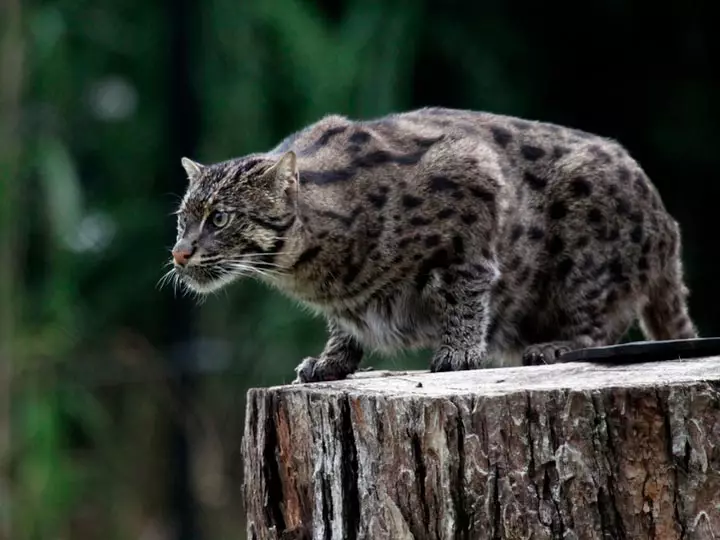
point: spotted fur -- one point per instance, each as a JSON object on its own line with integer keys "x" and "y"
{"x": 490, "y": 239}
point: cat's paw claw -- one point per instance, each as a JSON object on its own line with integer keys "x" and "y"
{"x": 305, "y": 371}
{"x": 313, "y": 369}
{"x": 447, "y": 359}
{"x": 541, "y": 354}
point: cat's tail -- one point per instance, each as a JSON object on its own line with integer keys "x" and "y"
{"x": 665, "y": 316}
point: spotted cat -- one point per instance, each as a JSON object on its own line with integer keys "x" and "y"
{"x": 490, "y": 239}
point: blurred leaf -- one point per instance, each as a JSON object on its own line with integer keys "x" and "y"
{"x": 63, "y": 193}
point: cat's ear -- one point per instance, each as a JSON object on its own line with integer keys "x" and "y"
{"x": 192, "y": 168}
{"x": 286, "y": 174}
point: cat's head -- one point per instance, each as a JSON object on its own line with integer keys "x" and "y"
{"x": 234, "y": 219}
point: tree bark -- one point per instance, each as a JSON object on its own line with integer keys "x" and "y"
{"x": 568, "y": 451}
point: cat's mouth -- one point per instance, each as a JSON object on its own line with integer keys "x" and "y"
{"x": 204, "y": 279}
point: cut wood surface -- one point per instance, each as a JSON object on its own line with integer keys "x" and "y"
{"x": 564, "y": 451}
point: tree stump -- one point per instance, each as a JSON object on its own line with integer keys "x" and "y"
{"x": 567, "y": 451}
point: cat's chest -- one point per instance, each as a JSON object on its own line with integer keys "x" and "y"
{"x": 390, "y": 322}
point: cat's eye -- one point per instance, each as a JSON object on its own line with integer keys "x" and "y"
{"x": 220, "y": 219}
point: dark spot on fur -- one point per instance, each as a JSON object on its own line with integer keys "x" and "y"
{"x": 558, "y": 210}
{"x": 524, "y": 275}
{"x": 646, "y": 247}
{"x": 613, "y": 235}
{"x": 419, "y": 220}
{"x": 636, "y": 217}
{"x": 458, "y": 246}
{"x": 373, "y": 159}
{"x": 359, "y": 137}
{"x": 321, "y": 235}
{"x": 636, "y": 234}
{"x": 599, "y": 153}
{"x": 410, "y": 201}
{"x": 531, "y": 153}
{"x": 325, "y": 137}
{"x": 481, "y": 194}
{"x": 469, "y": 218}
{"x": 404, "y": 242}
{"x": 377, "y": 158}
{"x": 346, "y": 220}
{"x": 641, "y": 186}
{"x": 277, "y": 225}
{"x": 582, "y": 242}
{"x": 612, "y": 190}
{"x": 595, "y": 215}
{"x": 517, "y": 232}
{"x": 580, "y": 187}
{"x": 643, "y": 263}
{"x": 564, "y": 268}
{"x": 427, "y": 142}
{"x": 559, "y": 151}
{"x": 458, "y": 195}
{"x": 502, "y": 136}
{"x": 599, "y": 271}
{"x": 445, "y": 213}
{"x": 354, "y": 148}
{"x": 450, "y": 298}
{"x": 353, "y": 270}
{"x": 438, "y": 259}
{"x": 611, "y": 298}
{"x": 616, "y": 270}
{"x": 327, "y": 177}
{"x": 308, "y": 255}
{"x": 514, "y": 263}
{"x": 378, "y": 200}
{"x": 623, "y": 174}
{"x": 536, "y": 233}
{"x": 622, "y": 206}
{"x": 594, "y": 294}
{"x": 432, "y": 241}
{"x": 442, "y": 183}
{"x": 465, "y": 274}
{"x": 555, "y": 245}
{"x": 535, "y": 182}
{"x": 588, "y": 262}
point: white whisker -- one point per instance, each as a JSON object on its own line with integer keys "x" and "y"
{"x": 166, "y": 278}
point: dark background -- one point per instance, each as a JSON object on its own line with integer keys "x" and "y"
{"x": 121, "y": 404}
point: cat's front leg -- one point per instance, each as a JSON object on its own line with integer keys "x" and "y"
{"x": 340, "y": 357}
{"x": 465, "y": 295}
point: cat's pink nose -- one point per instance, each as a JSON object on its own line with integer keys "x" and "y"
{"x": 181, "y": 254}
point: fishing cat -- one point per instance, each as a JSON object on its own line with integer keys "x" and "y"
{"x": 491, "y": 239}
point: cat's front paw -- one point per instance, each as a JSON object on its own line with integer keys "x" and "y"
{"x": 313, "y": 369}
{"x": 545, "y": 353}
{"x": 447, "y": 359}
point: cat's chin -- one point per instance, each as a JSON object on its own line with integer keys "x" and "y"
{"x": 206, "y": 284}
